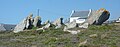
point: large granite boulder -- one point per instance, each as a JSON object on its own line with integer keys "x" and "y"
{"x": 29, "y": 21}
{"x": 58, "y": 21}
{"x": 71, "y": 25}
{"x": 37, "y": 21}
{"x": 47, "y": 26}
{"x": 21, "y": 26}
{"x": 84, "y": 25}
{"x": 98, "y": 17}
{"x": 24, "y": 24}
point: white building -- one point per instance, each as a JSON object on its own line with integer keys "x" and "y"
{"x": 118, "y": 20}
{"x": 79, "y": 16}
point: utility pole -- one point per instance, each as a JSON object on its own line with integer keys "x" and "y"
{"x": 38, "y": 12}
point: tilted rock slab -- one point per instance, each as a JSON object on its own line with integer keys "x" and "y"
{"x": 25, "y": 24}
{"x": 98, "y": 17}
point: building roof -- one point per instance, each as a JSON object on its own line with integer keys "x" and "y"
{"x": 82, "y": 14}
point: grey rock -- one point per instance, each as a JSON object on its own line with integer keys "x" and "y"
{"x": 24, "y": 24}
{"x": 46, "y": 22}
{"x": 84, "y": 43}
{"x": 58, "y": 26}
{"x": 58, "y": 21}
{"x": 37, "y": 21}
{"x": 93, "y": 35}
{"x": 84, "y": 25}
{"x": 29, "y": 21}
{"x": 74, "y": 31}
{"x": 71, "y": 25}
{"x": 21, "y": 26}
{"x": 46, "y": 26}
{"x": 98, "y": 17}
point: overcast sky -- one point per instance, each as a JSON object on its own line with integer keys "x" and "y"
{"x": 13, "y": 11}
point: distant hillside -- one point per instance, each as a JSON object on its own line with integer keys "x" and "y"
{"x": 7, "y": 27}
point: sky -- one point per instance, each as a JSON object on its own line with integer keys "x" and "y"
{"x": 14, "y": 11}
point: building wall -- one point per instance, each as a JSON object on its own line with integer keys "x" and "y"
{"x": 77, "y": 20}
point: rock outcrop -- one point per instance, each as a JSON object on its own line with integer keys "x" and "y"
{"x": 21, "y": 26}
{"x": 47, "y": 26}
{"x": 98, "y": 17}
{"x": 24, "y": 24}
{"x": 84, "y": 25}
{"x": 58, "y": 23}
{"x": 28, "y": 23}
{"x": 37, "y": 21}
{"x": 71, "y": 25}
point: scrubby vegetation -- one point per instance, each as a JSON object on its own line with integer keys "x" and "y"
{"x": 107, "y": 36}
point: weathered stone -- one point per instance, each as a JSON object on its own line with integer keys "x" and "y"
{"x": 58, "y": 26}
{"x": 47, "y": 22}
{"x": 58, "y": 21}
{"x": 98, "y": 17}
{"x": 37, "y": 21}
{"x": 83, "y": 44}
{"x": 46, "y": 26}
{"x": 104, "y": 36}
{"x": 84, "y": 25}
{"x": 29, "y": 21}
{"x": 74, "y": 31}
{"x": 25, "y": 24}
{"x": 71, "y": 25}
{"x": 21, "y": 26}
{"x": 93, "y": 35}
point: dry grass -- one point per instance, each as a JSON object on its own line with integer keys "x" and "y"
{"x": 107, "y": 36}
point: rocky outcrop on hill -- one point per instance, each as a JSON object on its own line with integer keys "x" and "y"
{"x": 95, "y": 17}
{"x": 71, "y": 25}
{"x": 24, "y": 24}
{"x": 28, "y": 23}
{"x": 98, "y": 17}
{"x": 37, "y": 21}
{"x": 58, "y": 23}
